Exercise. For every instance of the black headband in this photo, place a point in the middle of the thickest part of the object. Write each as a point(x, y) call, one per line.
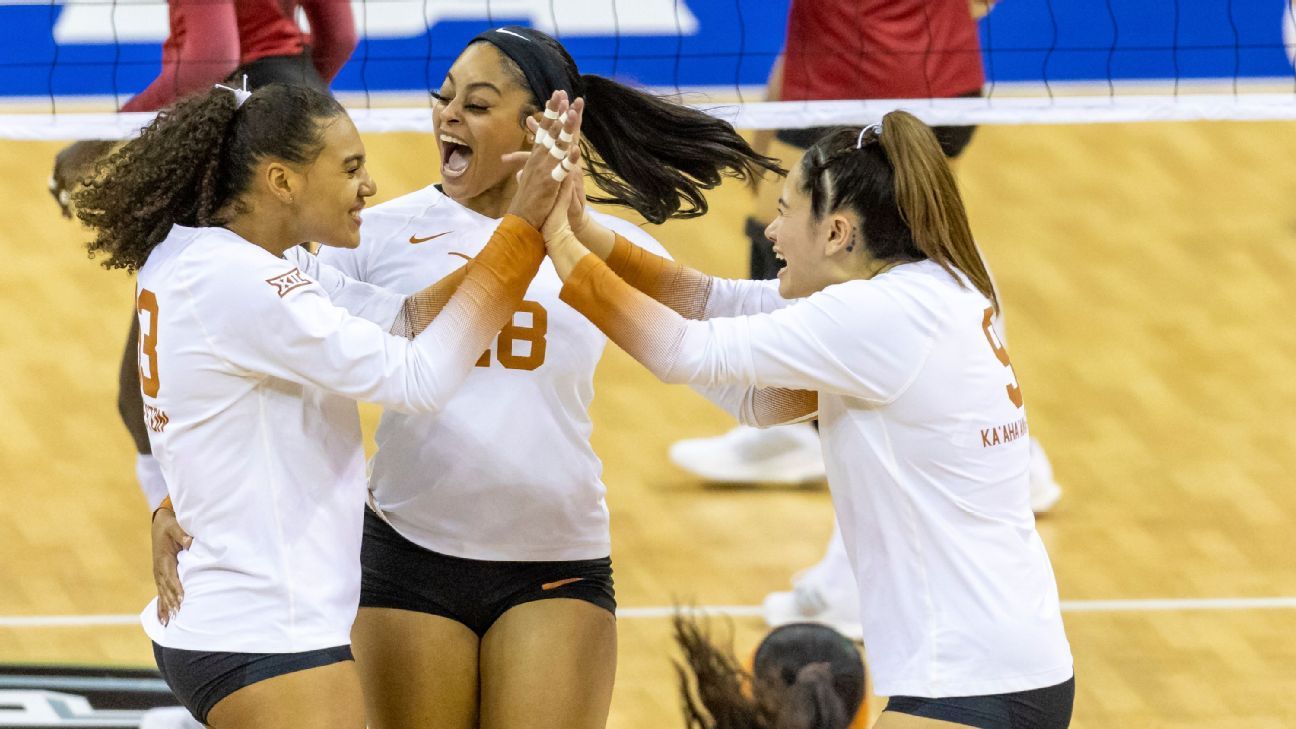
point(544, 72)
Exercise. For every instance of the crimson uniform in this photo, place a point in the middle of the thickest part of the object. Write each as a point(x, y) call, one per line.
point(209, 39)
point(881, 49)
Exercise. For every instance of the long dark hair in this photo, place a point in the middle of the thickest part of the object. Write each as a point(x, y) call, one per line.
point(647, 152)
point(192, 163)
point(899, 183)
point(804, 676)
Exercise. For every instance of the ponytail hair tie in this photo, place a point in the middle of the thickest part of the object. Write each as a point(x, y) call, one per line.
point(876, 128)
point(240, 95)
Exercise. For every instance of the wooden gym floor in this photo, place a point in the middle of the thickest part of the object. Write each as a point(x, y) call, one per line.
point(1150, 279)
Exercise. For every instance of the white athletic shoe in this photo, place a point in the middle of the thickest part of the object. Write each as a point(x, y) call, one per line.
point(787, 454)
point(168, 718)
point(1044, 491)
point(824, 593)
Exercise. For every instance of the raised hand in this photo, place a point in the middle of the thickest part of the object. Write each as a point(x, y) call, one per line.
point(554, 154)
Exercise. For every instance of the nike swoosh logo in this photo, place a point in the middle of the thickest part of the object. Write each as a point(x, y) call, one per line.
point(555, 585)
point(416, 241)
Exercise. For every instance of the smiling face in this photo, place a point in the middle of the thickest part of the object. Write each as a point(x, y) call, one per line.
point(796, 238)
point(335, 187)
point(478, 117)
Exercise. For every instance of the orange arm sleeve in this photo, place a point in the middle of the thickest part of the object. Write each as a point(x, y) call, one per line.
point(675, 285)
point(495, 280)
point(652, 335)
point(421, 308)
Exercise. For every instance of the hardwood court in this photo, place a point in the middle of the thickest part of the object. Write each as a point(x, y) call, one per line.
point(1148, 277)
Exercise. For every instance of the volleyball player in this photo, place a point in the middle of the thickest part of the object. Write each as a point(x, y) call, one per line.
point(248, 368)
point(487, 596)
point(882, 321)
point(211, 41)
point(841, 49)
point(848, 49)
point(803, 676)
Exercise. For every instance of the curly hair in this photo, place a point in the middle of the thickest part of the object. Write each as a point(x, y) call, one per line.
point(804, 676)
point(191, 165)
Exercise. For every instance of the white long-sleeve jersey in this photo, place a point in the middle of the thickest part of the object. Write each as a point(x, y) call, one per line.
point(505, 471)
point(249, 372)
point(925, 441)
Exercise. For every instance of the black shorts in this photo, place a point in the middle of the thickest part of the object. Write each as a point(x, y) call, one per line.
point(201, 679)
point(289, 70)
point(1045, 708)
point(401, 575)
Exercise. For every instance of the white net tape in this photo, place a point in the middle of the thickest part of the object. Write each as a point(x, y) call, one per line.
point(784, 114)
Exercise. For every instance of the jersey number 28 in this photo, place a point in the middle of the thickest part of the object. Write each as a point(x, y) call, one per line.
point(533, 333)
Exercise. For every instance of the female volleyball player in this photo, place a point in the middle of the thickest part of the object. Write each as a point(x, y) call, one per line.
point(803, 676)
point(924, 431)
point(487, 595)
point(248, 368)
point(207, 40)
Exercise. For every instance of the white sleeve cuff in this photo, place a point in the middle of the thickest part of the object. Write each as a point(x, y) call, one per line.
point(151, 481)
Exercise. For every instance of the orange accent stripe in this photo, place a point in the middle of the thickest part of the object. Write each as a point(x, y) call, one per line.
point(554, 585)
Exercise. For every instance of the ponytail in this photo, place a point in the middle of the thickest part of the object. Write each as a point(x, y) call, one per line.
point(161, 178)
point(657, 156)
point(804, 676)
point(644, 151)
point(191, 164)
point(929, 199)
point(714, 688)
point(897, 180)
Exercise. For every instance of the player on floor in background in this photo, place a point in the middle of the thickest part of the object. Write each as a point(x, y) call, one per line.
point(881, 324)
point(249, 370)
point(802, 676)
point(487, 595)
point(211, 41)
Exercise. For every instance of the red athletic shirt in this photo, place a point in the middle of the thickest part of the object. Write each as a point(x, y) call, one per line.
point(211, 38)
point(269, 28)
point(881, 49)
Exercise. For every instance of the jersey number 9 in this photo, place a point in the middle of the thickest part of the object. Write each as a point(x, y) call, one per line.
point(1014, 390)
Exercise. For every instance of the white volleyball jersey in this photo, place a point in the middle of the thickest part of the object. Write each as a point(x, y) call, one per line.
point(505, 471)
point(925, 442)
point(249, 374)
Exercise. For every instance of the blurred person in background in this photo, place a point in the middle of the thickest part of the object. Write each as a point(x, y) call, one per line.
point(801, 676)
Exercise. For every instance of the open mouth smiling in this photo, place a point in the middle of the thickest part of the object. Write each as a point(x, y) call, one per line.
point(456, 155)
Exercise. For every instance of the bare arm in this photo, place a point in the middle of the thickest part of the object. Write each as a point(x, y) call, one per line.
point(130, 403)
point(333, 35)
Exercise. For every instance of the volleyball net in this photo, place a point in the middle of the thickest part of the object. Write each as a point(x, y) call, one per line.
point(67, 64)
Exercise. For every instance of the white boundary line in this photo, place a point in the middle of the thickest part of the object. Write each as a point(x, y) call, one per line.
point(750, 611)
